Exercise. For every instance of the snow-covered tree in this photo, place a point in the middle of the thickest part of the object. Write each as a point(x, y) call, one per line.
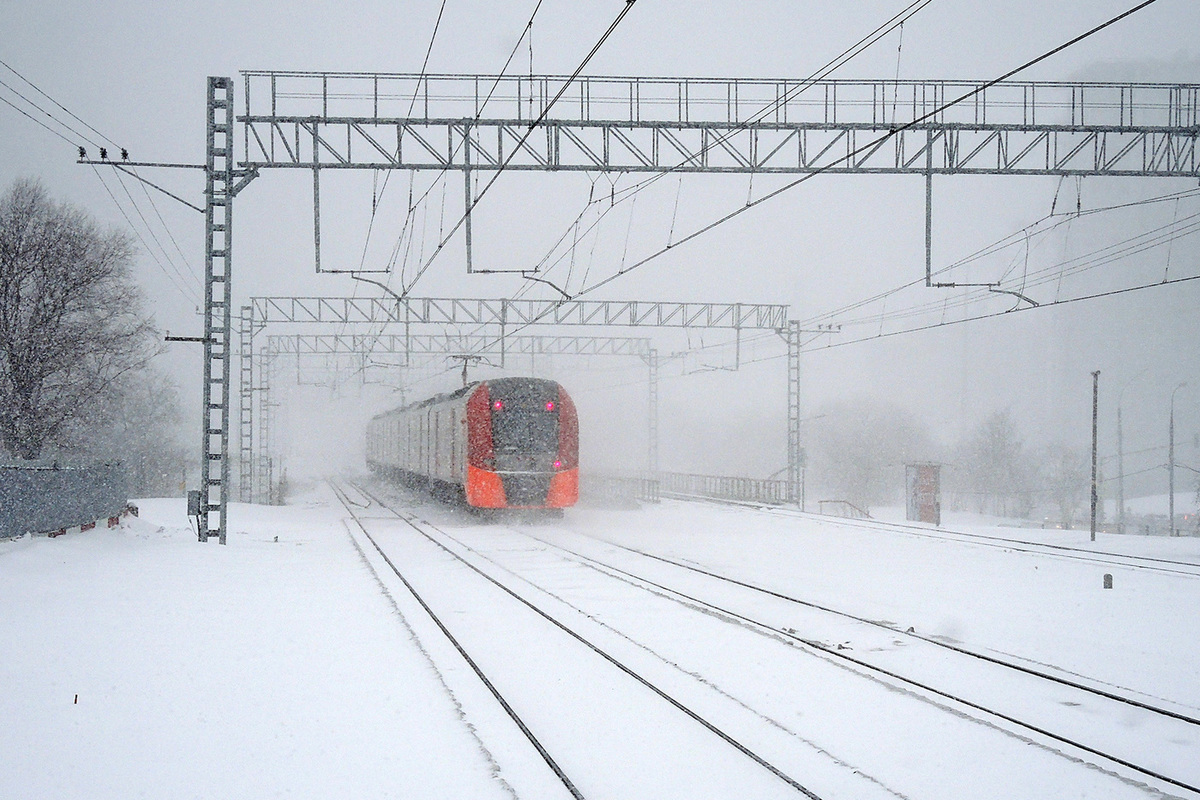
point(70, 319)
point(139, 423)
point(859, 448)
point(1066, 477)
point(994, 468)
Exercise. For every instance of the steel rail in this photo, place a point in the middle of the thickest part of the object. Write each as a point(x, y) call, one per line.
point(712, 728)
point(1058, 549)
point(1192, 569)
point(875, 623)
point(491, 687)
point(841, 654)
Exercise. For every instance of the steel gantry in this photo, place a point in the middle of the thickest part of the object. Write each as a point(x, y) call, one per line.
point(322, 120)
point(498, 315)
point(481, 123)
point(519, 313)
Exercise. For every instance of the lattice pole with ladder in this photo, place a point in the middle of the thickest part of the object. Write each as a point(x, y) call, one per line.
point(246, 406)
point(218, 222)
point(220, 190)
point(652, 414)
point(795, 452)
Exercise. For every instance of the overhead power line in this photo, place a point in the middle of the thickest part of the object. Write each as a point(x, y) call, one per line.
point(387, 176)
point(412, 207)
point(896, 21)
point(177, 276)
point(20, 110)
point(993, 314)
point(1010, 240)
point(870, 146)
point(521, 143)
point(61, 106)
point(183, 288)
point(1102, 256)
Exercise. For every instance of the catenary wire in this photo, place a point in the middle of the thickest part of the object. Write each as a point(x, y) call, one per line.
point(821, 73)
point(870, 146)
point(183, 289)
point(517, 147)
point(479, 115)
point(1052, 272)
point(997, 246)
point(387, 176)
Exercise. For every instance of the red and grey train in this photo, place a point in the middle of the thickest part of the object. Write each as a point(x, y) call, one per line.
point(500, 443)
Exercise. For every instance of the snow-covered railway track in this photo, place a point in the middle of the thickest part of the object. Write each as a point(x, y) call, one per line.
point(949, 677)
point(497, 677)
point(1189, 717)
point(1167, 566)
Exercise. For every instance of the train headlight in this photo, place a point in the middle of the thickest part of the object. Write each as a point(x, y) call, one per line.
point(498, 405)
point(549, 405)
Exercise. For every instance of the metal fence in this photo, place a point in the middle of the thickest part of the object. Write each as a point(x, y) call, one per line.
point(43, 499)
point(618, 489)
point(842, 508)
point(724, 487)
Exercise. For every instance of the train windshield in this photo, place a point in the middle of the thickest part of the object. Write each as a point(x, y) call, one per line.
point(524, 423)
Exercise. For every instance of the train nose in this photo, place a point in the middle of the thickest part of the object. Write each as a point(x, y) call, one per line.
point(526, 488)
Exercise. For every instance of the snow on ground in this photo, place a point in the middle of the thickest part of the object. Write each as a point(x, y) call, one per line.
point(259, 669)
point(1044, 608)
point(280, 669)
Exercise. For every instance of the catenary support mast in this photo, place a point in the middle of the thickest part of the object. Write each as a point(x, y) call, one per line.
point(218, 230)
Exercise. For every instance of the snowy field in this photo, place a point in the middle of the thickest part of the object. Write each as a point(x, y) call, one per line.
point(295, 662)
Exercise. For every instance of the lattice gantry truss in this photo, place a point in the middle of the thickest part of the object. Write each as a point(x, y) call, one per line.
point(501, 316)
point(458, 122)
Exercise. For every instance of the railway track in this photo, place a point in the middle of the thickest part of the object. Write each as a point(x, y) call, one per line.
point(1192, 718)
point(841, 652)
point(1031, 730)
point(1164, 565)
point(438, 538)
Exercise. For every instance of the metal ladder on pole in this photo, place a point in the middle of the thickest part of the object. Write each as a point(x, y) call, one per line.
point(263, 477)
point(795, 452)
point(218, 219)
point(652, 415)
point(246, 406)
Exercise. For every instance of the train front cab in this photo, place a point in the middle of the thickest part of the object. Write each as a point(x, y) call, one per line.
point(522, 445)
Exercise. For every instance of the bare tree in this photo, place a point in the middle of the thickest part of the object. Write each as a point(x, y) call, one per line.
point(996, 469)
point(139, 422)
point(1066, 476)
point(860, 446)
point(70, 319)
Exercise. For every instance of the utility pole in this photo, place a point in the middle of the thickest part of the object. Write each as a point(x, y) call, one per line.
point(1171, 465)
point(1120, 475)
point(1121, 453)
point(1095, 428)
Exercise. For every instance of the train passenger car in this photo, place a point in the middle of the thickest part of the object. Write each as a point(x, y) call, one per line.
point(500, 443)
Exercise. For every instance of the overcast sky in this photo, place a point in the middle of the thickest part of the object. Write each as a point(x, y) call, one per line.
point(135, 71)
